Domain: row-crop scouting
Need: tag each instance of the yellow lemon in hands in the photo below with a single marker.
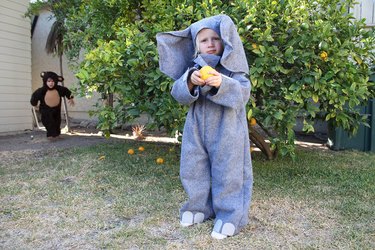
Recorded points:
(204, 72)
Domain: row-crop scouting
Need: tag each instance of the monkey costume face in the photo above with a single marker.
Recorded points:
(49, 74)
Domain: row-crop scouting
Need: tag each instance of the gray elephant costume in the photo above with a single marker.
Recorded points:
(216, 168)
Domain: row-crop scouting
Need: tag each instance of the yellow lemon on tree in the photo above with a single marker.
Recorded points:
(324, 56)
(141, 148)
(159, 160)
(131, 151)
(205, 72)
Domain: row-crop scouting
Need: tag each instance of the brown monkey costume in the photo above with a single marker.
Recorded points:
(50, 102)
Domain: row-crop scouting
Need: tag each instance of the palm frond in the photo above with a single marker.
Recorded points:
(54, 43)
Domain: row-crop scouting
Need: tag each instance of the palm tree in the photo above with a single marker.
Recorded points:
(55, 46)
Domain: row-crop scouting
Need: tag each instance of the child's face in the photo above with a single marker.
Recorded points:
(209, 42)
(50, 83)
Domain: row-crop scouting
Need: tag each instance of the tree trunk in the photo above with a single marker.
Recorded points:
(259, 141)
(67, 125)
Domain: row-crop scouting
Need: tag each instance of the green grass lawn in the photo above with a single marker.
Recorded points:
(101, 197)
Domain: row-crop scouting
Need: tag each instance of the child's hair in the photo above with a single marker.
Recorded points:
(196, 51)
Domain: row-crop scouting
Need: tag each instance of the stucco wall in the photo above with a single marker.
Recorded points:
(15, 66)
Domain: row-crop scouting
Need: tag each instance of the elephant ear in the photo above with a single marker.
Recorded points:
(176, 52)
(234, 57)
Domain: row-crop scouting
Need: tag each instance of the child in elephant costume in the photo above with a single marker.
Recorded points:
(215, 168)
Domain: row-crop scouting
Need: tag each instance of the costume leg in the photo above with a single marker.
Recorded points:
(57, 122)
(231, 187)
(48, 121)
(195, 177)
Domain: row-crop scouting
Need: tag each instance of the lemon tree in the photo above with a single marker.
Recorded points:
(308, 60)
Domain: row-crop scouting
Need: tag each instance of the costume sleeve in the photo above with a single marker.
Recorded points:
(180, 90)
(35, 97)
(234, 91)
(65, 92)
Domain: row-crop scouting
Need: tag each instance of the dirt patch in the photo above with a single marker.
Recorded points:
(36, 140)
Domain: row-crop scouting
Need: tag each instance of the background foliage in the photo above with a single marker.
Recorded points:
(307, 59)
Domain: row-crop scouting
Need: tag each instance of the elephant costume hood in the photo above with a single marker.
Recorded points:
(176, 48)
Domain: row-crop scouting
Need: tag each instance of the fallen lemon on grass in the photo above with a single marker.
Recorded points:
(101, 158)
(205, 72)
(141, 149)
(131, 151)
(253, 121)
(159, 160)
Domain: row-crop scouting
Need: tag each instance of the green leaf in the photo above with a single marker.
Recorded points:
(315, 98)
(289, 52)
(278, 115)
(249, 114)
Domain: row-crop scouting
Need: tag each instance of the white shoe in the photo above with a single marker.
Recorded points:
(189, 219)
(218, 236)
(225, 230)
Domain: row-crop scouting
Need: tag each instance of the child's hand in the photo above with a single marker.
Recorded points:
(71, 102)
(196, 79)
(215, 80)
